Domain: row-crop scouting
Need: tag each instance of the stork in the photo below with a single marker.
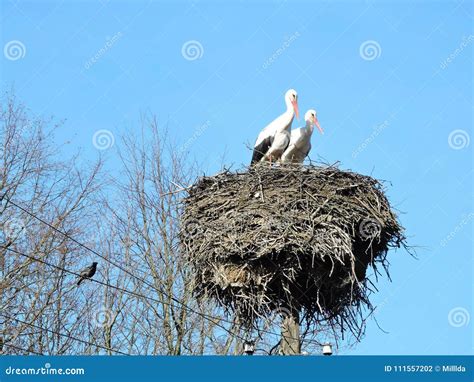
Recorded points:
(275, 137)
(300, 141)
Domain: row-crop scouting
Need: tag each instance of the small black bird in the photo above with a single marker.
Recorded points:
(87, 273)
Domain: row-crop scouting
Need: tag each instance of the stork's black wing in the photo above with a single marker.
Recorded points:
(307, 151)
(261, 149)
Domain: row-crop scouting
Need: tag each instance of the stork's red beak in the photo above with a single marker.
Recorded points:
(295, 108)
(316, 122)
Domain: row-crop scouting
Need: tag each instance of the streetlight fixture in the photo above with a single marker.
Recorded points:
(249, 347)
(327, 349)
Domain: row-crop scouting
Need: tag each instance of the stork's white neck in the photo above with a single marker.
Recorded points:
(288, 114)
(289, 106)
(309, 127)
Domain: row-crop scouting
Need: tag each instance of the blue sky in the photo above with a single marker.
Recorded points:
(391, 81)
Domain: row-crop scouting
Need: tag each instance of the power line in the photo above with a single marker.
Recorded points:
(171, 297)
(63, 335)
(164, 293)
(207, 317)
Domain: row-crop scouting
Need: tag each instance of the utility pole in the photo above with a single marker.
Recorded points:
(290, 333)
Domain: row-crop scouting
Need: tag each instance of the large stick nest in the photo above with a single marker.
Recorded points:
(288, 237)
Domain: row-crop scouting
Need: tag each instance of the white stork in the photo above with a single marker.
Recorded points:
(300, 141)
(275, 137)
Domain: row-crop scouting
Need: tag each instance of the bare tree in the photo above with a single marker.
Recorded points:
(33, 179)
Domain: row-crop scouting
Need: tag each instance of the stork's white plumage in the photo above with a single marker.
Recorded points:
(275, 137)
(300, 141)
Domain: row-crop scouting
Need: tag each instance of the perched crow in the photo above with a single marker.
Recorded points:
(87, 273)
